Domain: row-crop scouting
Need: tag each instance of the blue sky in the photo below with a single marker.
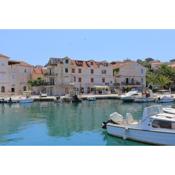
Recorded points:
(37, 46)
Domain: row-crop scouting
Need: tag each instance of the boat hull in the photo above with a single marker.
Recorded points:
(128, 99)
(26, 101)
(165, 100)
(144, 100)
(146, 136)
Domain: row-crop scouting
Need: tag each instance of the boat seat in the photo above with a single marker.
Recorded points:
(130, 119)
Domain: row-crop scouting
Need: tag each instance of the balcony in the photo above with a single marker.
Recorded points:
(130, 83)
(48, 83)
(50, 74)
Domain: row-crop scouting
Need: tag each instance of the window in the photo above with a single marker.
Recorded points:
(92, 71)
(66, 61)
(103, 71)
(132, 81)
(52, 81)
(50, 72)
(12, 89)
(24, 88)
(73, 70)
(66, 70)
(79, 70)
(103, 80)
(92, 80)
(127, 80)
(142, 80)
(142, 71)
(163, 124)
(25, 70)
(79, 79)
(74, 79)
(2, 89)
(2, 64)
(92, 63)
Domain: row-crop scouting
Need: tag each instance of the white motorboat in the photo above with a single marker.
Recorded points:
(155, 127)
(26, 100)
(129, 96)
(164, 96)
(91, 98)
(144, 99)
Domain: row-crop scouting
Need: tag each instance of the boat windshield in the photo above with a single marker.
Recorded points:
(131, 93)
(152, 110)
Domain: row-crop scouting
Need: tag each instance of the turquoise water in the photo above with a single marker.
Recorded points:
(48, 123)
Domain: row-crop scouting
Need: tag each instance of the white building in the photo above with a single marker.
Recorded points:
(14, 76)
(64, 74)
(129, 74)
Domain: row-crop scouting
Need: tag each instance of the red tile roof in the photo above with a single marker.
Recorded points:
(38, 70)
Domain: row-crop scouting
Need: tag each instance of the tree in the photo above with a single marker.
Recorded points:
(172, 60)
(38, 82)
(151, 78)
(167, 71)
(163, 81)
(149, 59)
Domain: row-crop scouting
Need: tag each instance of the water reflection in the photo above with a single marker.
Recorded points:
(62, 123)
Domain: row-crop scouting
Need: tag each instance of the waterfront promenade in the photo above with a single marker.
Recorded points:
(82, 96)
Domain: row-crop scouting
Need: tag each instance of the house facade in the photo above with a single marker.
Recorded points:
(129, 74)
(65, 74)
(14, 76)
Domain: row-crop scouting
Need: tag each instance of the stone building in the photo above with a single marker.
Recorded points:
(14, 76)
(65, 74)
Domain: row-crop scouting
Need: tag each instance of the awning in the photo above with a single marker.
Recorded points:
(100, 87)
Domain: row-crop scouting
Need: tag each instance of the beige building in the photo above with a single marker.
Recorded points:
(155, 65)
(65, 74)
(129, 74)
(14, 76)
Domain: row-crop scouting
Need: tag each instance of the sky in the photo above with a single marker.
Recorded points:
(37, 46)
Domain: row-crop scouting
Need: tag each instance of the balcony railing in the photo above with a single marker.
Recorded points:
(50, 74)
(130, 83)
(49, 84)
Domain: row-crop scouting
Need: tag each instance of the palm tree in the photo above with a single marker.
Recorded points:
(163, 81)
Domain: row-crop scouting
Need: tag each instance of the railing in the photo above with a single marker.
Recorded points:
(50, 74)
(130, 83)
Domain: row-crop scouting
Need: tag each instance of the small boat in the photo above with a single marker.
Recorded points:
(155, 127)
(144, 99)
(130, 96)
(12, 100)
(2, 100)
(26, 100)
(164, 96)
(169, 110)
(91, 98)
(76, 99)
(66, 98)
(147, 96)
(43, 95)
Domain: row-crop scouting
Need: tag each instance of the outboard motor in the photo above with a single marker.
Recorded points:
(104, 124)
